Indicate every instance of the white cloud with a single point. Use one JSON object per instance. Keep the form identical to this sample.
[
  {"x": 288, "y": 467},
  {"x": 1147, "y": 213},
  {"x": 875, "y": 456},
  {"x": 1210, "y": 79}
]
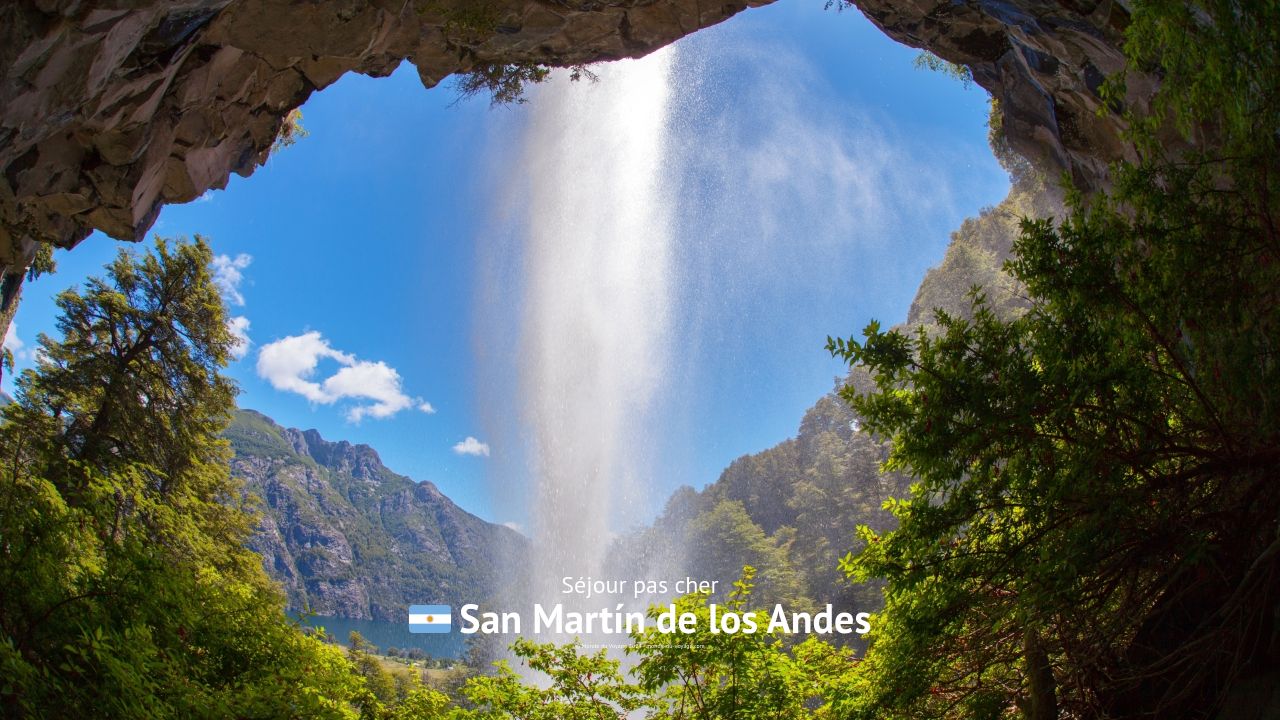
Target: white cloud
[
  {"x": 290, "y": 364},
  {"x": 472, "y": 446},
  {"x": 374, "y": 380},
  {"x": 286, "y": 363},
  {"x": 12, "y": 342},
  {"x": 512, "y": 524},
  {"x": 239, "y": 328},
  {"x": 206, "y": 196},
  {"x": 227, "y": 276}
]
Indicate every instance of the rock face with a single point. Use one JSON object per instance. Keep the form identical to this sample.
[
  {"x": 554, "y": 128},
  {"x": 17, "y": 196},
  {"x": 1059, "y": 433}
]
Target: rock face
[
  {"x": 1044, "y": 60},
  {"x": 346, "y": 536},
  {"x": 109, "y": 110}
]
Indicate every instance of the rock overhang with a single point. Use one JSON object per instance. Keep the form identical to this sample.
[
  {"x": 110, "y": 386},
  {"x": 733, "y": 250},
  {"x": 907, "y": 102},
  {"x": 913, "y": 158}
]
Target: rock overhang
[{"x": 110, "y": 110}]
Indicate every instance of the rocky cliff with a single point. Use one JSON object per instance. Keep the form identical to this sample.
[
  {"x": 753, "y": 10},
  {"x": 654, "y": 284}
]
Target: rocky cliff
[
  {"x": 346, "y": 536},
  {"x": 1044, "y": 60},
  {"x": 109, "y": 110}
]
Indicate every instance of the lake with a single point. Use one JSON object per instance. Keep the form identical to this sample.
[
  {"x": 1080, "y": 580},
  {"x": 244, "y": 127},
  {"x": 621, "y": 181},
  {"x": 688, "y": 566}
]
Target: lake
[{"x": 388, "y": 634}]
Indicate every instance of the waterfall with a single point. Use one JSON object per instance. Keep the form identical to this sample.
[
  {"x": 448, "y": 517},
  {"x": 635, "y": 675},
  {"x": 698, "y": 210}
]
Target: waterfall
[
  {"x": 595, "y": 237},
  {"x": 652, "y": 234}
]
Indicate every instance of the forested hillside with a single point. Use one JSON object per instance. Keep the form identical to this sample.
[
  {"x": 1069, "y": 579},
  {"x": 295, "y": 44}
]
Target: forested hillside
[
  {"x": 791, "y": 511},
  {"x": 346, "y": 536}
]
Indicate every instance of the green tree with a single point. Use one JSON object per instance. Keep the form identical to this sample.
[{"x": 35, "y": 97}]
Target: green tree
[
  {"x": 506, "y": 83},
  {"x": 707, "y": 676},
  {"x": 728, "y": 539},
  {"x": 579, "y": 687},
  {"x": 127, "y": 588},
  {"x": 385, "y": 687},
  {"x": 358, "y": 643},
  {"x": 421, "y": 703},
  {"x": 1093, "y": 531}
]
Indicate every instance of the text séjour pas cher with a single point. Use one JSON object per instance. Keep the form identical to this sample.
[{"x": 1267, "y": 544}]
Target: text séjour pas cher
[{"x": 589, "y": 587}]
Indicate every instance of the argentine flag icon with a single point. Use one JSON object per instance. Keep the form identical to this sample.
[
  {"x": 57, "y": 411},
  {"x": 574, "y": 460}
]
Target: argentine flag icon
[{"x": 429, "y": 618}]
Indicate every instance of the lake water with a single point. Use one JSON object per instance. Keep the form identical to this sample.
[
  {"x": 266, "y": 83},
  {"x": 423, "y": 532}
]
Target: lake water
[{"x": 388, "y": 634}]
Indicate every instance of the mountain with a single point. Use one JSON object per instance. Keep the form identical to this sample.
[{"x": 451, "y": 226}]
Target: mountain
[
  {"x": 791, "y": 510},
  {"x": 346, "y": 536}
]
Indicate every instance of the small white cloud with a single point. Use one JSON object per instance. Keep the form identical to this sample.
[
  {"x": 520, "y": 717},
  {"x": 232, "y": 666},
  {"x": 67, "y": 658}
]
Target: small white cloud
[
  {"x": 239, "y": 328},
  {"x": 12, "y": 342},
  {"x": 512, "y": 524},
  {"x": 290, "y": 363},
  {"x": 205, "y": 197},
  {"x": 472, "y": 446},
  {"x": 227, "y": 276}
]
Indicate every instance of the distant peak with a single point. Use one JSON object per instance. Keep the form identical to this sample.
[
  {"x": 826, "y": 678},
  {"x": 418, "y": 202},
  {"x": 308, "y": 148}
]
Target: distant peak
[{"x": 360, "y": 460}]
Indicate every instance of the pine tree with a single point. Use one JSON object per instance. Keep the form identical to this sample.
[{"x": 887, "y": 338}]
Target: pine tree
[{"x": 127, "y": 589}]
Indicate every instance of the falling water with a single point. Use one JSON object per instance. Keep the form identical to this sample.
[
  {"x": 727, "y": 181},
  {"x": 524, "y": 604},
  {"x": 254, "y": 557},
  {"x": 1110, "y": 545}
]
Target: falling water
[
  {"x": 596, "y": 259},
  {"x": 718, "y": 185}
]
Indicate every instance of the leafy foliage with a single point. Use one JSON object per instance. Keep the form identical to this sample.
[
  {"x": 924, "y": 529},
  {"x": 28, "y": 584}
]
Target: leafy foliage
[
  {"x": 579, "y": 687},
  {"x": 928, "y": 61},
  {"x": 705, "y": 675},
  {"x": 1217, "y": 62},
  {"x": 291, "y": 131},
  {"x": 681, "y": 676},
  {"x": 1020, "y": 170},
  {"x": 786, "y": 511},
  {"x": 1093, "y": 527},
  {"x": 127, "y": 589},
  {"x": 43, "y": 262},
  {"x": 506, "y": 83}
]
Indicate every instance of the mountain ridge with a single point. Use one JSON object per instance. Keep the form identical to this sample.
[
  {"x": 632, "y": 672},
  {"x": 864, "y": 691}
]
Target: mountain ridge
[
  {"x": 791, "y": 510},
  {"x": 345, "y": 535}
]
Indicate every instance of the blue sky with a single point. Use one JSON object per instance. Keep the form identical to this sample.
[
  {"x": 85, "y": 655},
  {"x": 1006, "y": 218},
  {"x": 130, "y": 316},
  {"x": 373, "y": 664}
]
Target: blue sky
[{"x": 813, "y": 173}]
